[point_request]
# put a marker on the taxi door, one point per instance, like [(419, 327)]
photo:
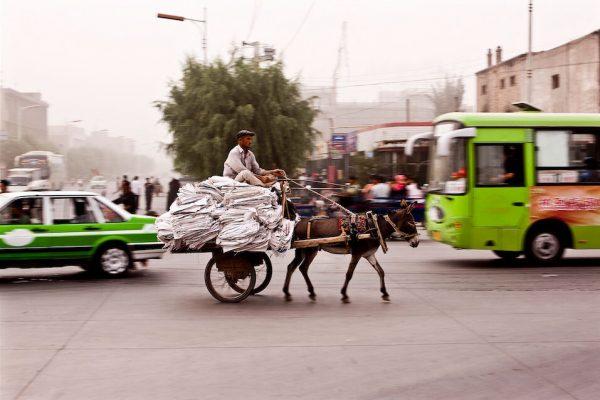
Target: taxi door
[(23, 230), (74, 228)]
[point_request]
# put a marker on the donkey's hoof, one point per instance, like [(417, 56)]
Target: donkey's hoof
[(288, 297), (346, 299), (312, 296), (386, 297)]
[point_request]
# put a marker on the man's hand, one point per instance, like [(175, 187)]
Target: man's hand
[(278, 172), (266, 179)]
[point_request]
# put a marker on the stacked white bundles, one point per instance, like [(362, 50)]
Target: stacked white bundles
[(281, 238), (164, 228), (239, 227), (239, 216)]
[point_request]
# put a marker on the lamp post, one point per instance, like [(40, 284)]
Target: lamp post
[(19, 117), (195, 21)]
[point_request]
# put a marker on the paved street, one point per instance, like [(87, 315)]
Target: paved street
[(460, 325)]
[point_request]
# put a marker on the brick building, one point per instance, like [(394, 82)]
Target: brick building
[(564, 79)]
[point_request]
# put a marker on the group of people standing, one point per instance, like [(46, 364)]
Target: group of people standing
[(131, 191), (401, 187)]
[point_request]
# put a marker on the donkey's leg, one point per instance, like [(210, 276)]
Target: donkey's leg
[(298, 257), (373, 261), (309, 256), (349, 273)]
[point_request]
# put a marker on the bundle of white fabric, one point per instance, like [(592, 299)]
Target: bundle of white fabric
[(240, 217)]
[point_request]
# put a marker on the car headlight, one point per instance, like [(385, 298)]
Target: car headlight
[(435, 214)]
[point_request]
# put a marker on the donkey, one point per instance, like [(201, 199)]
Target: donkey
[(402, 221)]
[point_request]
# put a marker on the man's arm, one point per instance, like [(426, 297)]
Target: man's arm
[(255, 168)]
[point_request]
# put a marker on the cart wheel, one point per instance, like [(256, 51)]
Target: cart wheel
[(225, 288), (264, 272)]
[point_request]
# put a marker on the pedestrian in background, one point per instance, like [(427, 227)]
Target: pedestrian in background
[(148, 193), (127, 198), (398, 187), (4, 184), (174, 186), (381, 189), (136, 188)]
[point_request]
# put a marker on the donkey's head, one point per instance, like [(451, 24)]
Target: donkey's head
[(405, 223)]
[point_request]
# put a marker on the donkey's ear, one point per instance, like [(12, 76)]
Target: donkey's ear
[(403, 204), (411, 206)]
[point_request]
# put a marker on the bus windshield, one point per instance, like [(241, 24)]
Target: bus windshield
[(19, 180), (449, 173)]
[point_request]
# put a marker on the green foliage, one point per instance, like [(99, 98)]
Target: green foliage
[(362, 166), (213, 102), (448, 96)]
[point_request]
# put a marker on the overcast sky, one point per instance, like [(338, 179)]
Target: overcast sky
[(105, 62)]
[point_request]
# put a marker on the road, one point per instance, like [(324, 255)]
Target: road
[(460, 325)]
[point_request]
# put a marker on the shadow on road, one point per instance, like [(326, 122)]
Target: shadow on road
[(519, 263)]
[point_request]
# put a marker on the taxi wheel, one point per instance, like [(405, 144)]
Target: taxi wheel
[(112, 260)]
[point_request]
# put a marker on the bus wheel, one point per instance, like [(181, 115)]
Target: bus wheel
[(507, 255), (544, 247)]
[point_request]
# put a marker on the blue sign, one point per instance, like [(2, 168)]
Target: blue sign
[(338, 142)]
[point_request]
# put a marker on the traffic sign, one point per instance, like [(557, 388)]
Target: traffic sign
[(3, 135)]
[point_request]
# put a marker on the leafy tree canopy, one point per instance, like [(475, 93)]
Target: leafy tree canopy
[(211, 103)]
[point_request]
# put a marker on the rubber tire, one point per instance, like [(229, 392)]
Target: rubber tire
[(507, 255), (530, 254), (96, 266), (212, 264)]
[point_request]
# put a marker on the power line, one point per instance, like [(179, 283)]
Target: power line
[(300, 26), (430, 79), (253, 20)]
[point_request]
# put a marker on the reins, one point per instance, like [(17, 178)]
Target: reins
[(352, 215)]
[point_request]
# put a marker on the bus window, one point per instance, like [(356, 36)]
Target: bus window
[(567, 156), (500, 165)]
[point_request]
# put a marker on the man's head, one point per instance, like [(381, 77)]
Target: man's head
[(245, 138), (135, 178), (124, 177), (4, 185)]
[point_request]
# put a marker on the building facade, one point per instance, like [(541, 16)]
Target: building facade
[(66, 137), (345, 117), (23, 114), (564, 79)]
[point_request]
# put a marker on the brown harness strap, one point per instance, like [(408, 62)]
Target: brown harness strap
[(308, 229)]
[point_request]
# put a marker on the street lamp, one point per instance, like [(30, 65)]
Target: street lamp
[(19, 115), (195, 21)]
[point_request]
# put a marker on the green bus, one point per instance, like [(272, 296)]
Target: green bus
[(514, 183)]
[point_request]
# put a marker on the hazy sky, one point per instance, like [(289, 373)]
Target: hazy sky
[(105, 62)]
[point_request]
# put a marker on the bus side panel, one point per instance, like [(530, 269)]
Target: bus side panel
[(578, 206)]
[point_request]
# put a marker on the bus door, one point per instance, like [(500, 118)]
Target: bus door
[(500, 195)]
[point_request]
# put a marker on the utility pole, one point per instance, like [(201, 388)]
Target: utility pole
[(341, 53), (529, 61), (268, 51)]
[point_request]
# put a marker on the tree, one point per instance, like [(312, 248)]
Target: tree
[(448, 96), (213, 102)]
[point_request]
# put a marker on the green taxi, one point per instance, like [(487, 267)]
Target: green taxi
[(58, 228)]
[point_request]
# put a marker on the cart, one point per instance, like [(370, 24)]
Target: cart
[(231, 277)]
